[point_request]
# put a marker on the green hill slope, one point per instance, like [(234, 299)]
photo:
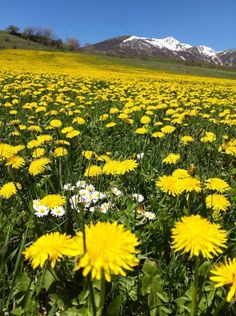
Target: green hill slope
[(8, 41)]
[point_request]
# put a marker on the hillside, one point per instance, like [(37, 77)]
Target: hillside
[(8, 41)]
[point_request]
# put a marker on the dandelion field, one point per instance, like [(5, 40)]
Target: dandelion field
[(117, 190)]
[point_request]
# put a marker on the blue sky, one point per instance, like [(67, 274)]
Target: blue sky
[(207, 22)]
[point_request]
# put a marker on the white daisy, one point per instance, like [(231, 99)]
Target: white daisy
[(138, 197), (80, 184), (104, 207), (116, 191), (58, 211), (68, 187), (36, 204), (41, 211), (140, 156), (149, 215)]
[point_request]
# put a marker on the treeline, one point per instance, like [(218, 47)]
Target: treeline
[(45, 37)]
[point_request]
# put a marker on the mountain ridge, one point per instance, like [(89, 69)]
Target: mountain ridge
[(135, 46)]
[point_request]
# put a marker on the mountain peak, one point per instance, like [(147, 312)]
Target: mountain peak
[(169, 42), (170, 39), (168, 47)]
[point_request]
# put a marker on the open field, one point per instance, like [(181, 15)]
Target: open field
[(86, 64), (117, 188)]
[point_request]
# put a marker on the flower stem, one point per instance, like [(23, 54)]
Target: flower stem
[(102, 296), (194, 305), (92, 295)]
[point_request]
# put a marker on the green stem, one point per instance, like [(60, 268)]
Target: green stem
[(92, 295), (194, 305), (91, 292), (102, 296)]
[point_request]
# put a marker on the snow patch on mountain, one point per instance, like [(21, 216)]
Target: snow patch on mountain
[(207, 51), (168, 42)]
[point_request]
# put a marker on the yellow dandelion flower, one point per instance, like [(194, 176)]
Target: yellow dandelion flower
[(53, 200), (158, 135), (88, 154), (217, 202), (33, 143), (224, 274), (15, 133), (116, 167), (103, 158), (171, 159), (168, 129), (170, 185), (35, 128), (16, 162), (41, 109), (186, 139), (67, 129), (38, 152), (6, 151), (217, 184), (110, 249), (38, 166), (50, 247), (79, 120), (127, 166), (141, 130), (180, 173), (73, 134), (9, 189), (104, 117), (208, 138), (62, 142), (19, 148), (190, 184), (44, 138), (55, 123), (158, 123), (111, 167), (230, 150), (197, 236), (93, 171), (114, 110), (60, 152), (111, 124), (145, 119)]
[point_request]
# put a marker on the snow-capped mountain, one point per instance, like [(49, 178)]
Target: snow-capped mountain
[(132, 46), (169, 42)]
